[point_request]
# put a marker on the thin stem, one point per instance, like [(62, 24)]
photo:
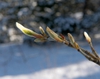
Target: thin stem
[(93, 50)]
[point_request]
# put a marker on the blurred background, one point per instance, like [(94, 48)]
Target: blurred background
[(63, 16), (21, 57)]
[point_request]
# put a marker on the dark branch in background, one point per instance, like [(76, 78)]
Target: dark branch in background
[(85, 7), (48, 34)]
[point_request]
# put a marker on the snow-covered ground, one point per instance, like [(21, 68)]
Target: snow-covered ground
[(19, 61)]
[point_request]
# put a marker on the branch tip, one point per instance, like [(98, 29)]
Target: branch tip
[(87, 37)]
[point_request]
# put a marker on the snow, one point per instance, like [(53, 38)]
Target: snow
[(77, 15), (20, 61)]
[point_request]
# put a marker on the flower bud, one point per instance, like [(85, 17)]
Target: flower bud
[(28, 31), (87, 37), (41, 30), (53, 35), (71, 39)]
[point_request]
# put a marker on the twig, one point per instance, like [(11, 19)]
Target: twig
[(44, 36)]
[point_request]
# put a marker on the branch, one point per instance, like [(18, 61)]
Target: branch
[(50, 34)]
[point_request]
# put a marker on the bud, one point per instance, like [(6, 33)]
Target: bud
[(71, 39), (53, 35), (28, 31), (87, 37), (41, 30)]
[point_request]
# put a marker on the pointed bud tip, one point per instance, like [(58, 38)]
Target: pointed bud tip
[(87, 37), (17, 23), (19, 26), (47, 28), (40, 27)]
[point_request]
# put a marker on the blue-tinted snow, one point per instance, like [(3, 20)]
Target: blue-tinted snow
[(19, 61)]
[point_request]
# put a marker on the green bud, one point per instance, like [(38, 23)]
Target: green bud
[(53, 35), (28, 31), (71, 39)]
